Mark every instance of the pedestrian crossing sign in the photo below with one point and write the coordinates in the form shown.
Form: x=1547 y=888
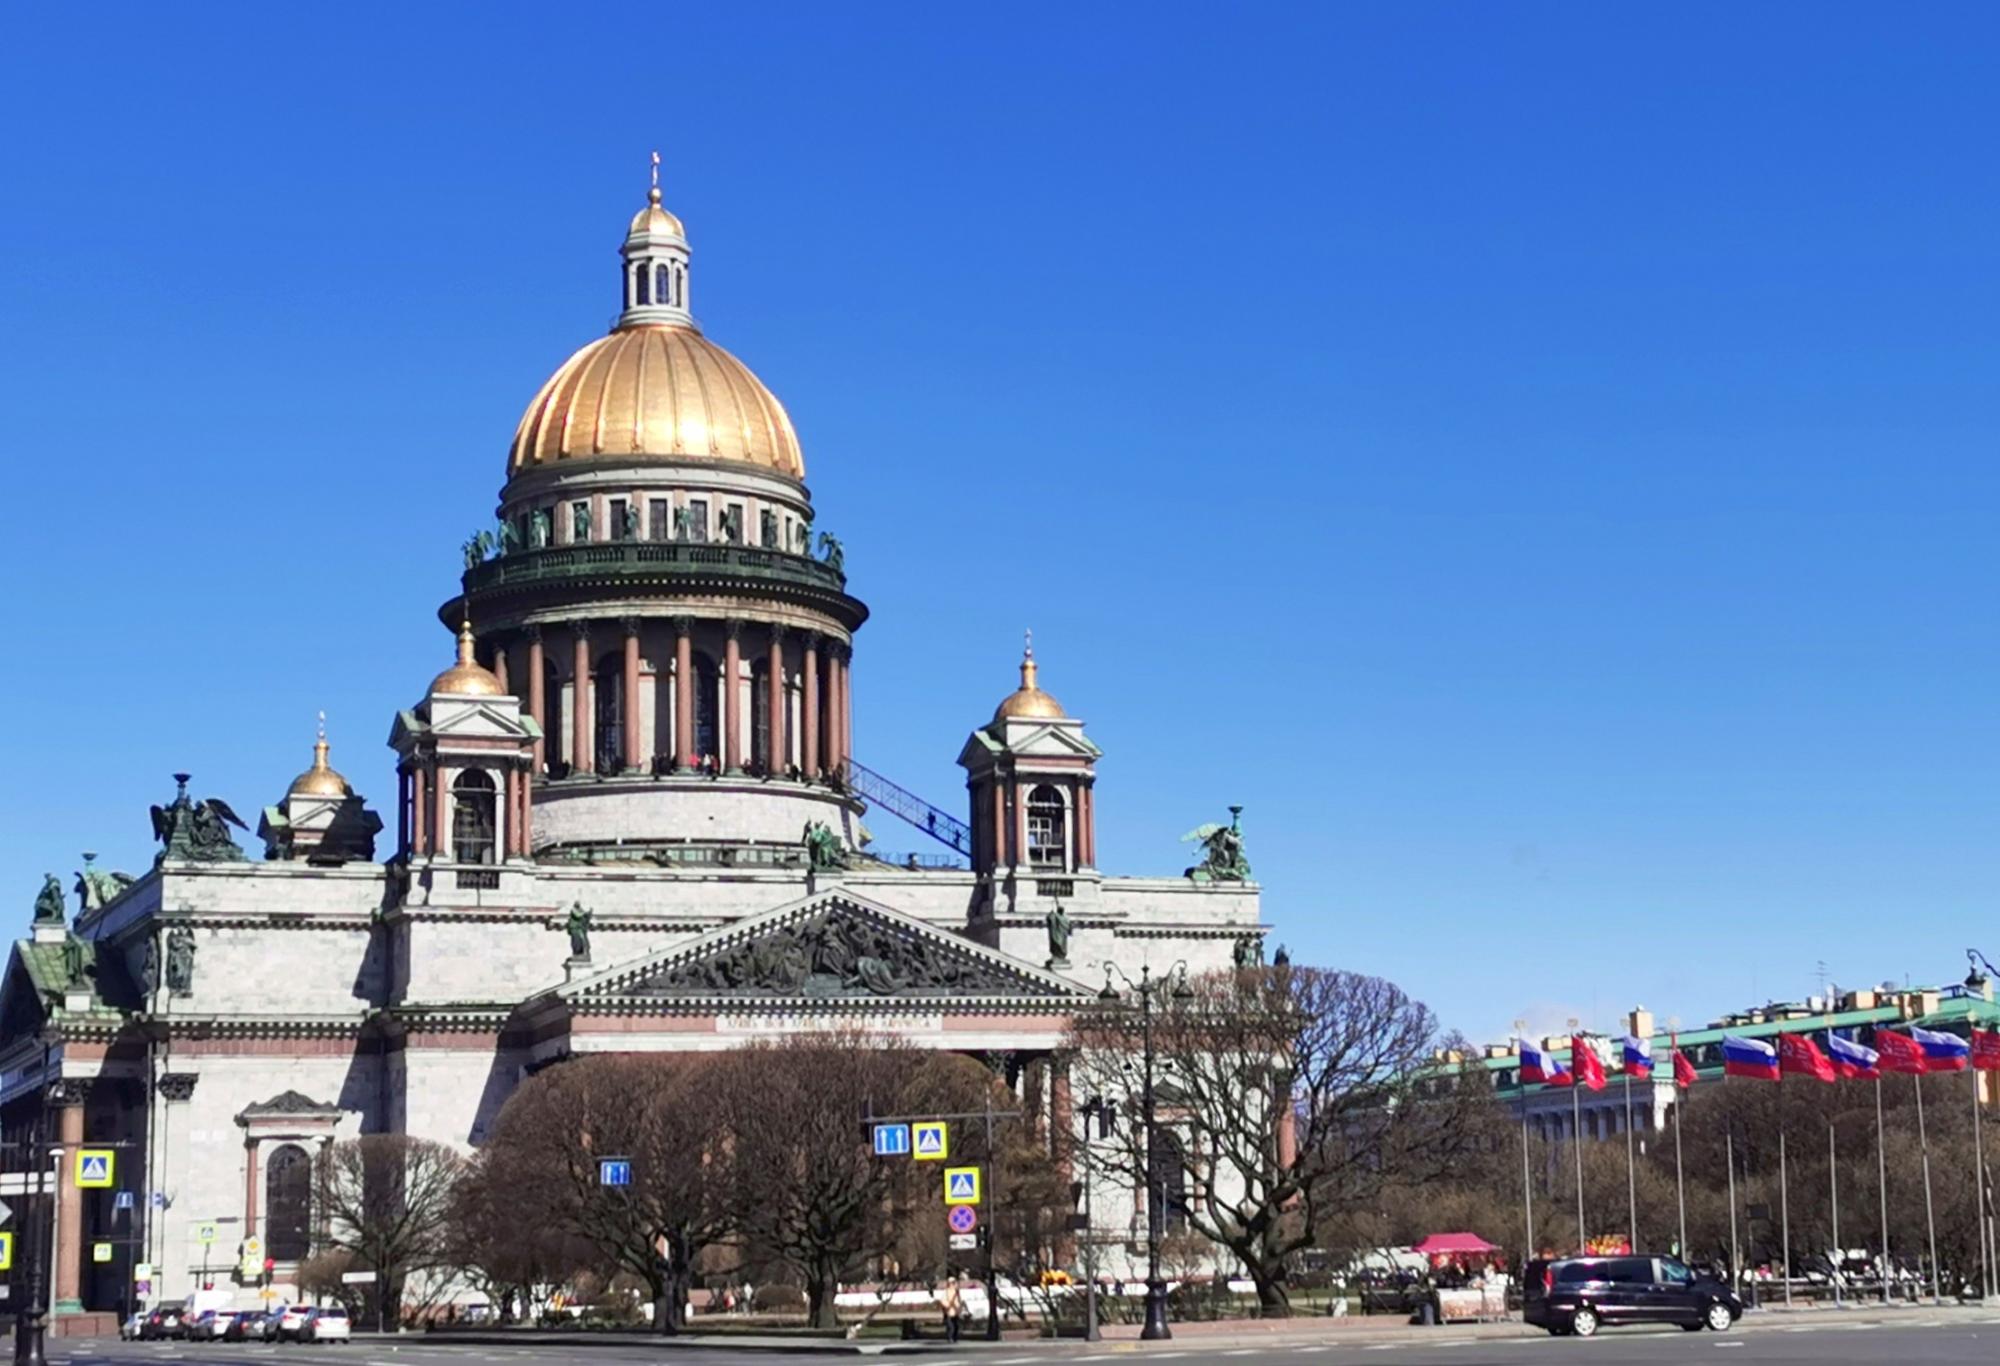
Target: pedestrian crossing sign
x=93 y=1168
x=933 y=1141
x=961 y=1185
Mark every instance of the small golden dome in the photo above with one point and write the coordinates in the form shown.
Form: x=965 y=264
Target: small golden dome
x=655 y=220
x=467 y=678
x=1028 y=702
x=320 y=780
x=656 y=391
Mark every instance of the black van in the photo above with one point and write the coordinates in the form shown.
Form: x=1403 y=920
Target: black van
x=1581 y=1294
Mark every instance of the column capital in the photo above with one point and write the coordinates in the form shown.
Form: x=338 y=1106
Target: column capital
x=683 y=625
x=580 y=631
x=532 y=633
x=68 y=1091
x=177 y=1085
x=734 y=626
x=631 y=624
x=778 y=632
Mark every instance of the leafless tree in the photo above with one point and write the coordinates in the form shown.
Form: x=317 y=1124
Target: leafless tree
x=663 y=1113
x=385 y=1201
x=1286 y=1092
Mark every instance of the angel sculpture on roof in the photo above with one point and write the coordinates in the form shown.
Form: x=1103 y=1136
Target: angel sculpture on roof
x=1222 y=851
x=196 y=831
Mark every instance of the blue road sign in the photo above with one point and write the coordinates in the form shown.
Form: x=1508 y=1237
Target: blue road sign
x=933 y=1141
x=614 y=1171
x=892 y=1140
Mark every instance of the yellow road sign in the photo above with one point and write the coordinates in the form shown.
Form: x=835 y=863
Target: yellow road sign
x=961 y=1185
x=6 y=1252
x=204 y=1233
x=100 y=1252
x=94 y=1167
x=930 y=1141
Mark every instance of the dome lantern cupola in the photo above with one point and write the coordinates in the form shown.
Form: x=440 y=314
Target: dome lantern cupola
x=656 y=264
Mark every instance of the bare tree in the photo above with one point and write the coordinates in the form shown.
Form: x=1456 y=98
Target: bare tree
x=664 y=1114
x=1283 y=1092
x=808 y=1192
x=385 y=1201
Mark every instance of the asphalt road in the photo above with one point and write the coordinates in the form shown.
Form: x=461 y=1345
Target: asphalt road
x=1820 y=1344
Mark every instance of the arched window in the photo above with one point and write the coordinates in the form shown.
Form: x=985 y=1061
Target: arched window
x=288 y=1204
x=760 y=715
x=552 y=723
x=472 y=817
x=1166 y=1194
x=611 y=713
x=1047 y=847
x=707 y=704
x=643 y=279
x=662 y=285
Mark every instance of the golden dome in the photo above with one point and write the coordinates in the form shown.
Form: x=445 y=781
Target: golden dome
x=319 y=780
x=661 y=391
x=467 y=678
x=1028 y=702
x=654 y=219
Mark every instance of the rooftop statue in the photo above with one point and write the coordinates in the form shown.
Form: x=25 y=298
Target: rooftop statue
x=1059 y=927
x=49 y=907
x=577 y=924
x=539 y=530
x=477 y=548
x=197 y=832
x=823 y=846
x=831 y=553
x=683 y=523
x=95 y=887
x=506 y=540
x=579 y=523
x=802 y=538
x=732 y=525
x=72 y=957
x=1222 y=857
x=1248 y=952
x=632 y=519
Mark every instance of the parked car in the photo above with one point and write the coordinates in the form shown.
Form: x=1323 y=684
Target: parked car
x=210 y=1325
x=327 y=1325
x=1579 y=1295
x=246 y=1326
x=129 y=1327
x=290 y=1323
x=167 y=1319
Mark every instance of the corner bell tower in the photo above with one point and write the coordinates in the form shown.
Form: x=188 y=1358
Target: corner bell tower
x=1030 y=773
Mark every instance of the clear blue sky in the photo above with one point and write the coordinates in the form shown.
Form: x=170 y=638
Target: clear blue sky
x=1538 y=459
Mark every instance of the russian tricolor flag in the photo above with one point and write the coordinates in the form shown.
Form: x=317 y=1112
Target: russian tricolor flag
x=1639 y=1057
x=1750 y=1058
x=1540 y=1066
x=1942 y=1052
x=1852 y=1061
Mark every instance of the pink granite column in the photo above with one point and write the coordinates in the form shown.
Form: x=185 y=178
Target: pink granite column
x=440 y=811
x=774 y=702
x=69 y=1207
x=684 y=692
x=631 y=708
x=809 y=708
x=732 y=699
x=579 y=703
x=537 y=702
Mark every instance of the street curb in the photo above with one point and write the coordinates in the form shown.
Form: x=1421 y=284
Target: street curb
x=708 y=1342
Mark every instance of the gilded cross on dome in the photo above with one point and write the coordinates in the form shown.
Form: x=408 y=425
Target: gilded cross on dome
x=656 y=172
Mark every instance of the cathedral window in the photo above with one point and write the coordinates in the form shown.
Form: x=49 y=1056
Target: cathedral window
x=472 y=817
x=768 y=529
x=553 y=723
x=707 y=707
x=1167 y=1196
x=660 y=520
x=1046 y=845
x=617 y=519
x=288 y=1204
x=642 y=283
x=697 y=519
x=662 y=287
x=610 y=713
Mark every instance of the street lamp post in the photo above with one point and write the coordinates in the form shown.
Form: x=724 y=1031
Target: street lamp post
x=31 y=1321
x=1146 y=988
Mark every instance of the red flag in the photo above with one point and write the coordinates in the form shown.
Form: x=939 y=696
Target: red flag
x=1684 y=1073
x=1584 y=1062
x=1986 y=1050
x=1799 y=1054
x=1900 y=1052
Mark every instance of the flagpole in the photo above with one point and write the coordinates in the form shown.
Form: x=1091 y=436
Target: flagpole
x=1930 y=1218
x=1979 y=1192
x=1527 y=1170
x=1833 y=1186
x=1576 y=1143
x=1784 y=1203
x=1680 y=1099
x=1729 y=1162
x=1882 y=1184
x=1631 y=1173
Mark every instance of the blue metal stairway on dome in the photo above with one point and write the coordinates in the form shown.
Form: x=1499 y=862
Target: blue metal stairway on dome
x=899 y=801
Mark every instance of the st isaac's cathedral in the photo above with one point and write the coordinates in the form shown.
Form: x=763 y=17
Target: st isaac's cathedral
x=628 y=817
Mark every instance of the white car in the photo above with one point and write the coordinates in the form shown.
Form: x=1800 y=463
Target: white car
x=327 y=1325
x=290 y=1323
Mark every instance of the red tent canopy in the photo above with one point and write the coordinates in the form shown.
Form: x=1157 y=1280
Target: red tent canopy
x=1446 y=1243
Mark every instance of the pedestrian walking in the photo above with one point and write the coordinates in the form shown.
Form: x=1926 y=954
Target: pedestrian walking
x=954 y=1307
